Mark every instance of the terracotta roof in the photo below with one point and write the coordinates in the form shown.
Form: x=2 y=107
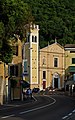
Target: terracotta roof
x=69 y=46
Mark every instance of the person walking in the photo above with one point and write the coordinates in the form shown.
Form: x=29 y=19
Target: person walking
x=29 y=93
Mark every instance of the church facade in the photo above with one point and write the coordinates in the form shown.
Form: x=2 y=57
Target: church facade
x=52 y=69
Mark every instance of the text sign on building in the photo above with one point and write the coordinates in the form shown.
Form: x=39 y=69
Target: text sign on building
x=25 y=67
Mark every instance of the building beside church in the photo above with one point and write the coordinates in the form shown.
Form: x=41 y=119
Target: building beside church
x=15 y=70
x=2 y=82
x=70 y=67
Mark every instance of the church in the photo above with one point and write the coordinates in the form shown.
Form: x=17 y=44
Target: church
x=45 y=67
x=52 y=69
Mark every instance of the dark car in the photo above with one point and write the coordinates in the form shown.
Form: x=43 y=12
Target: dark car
x=35 y=90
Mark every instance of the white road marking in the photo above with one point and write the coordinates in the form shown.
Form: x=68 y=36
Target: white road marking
x=64 y=117
x=34 y=98
x=31 y=110
x=38 y=108
x=73 y=111
x=69 y=114
x=8 y=116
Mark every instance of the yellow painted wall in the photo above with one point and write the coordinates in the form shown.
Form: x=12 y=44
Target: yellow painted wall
x=2 y=70
x=68 y=59
x=49 y=52
x=34 y=63
x=17 y=60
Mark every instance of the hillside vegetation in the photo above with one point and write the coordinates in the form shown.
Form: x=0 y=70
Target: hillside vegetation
x=56 y=19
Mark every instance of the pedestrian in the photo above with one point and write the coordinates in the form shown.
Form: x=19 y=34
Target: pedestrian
x=30 y=93
x=27 y=93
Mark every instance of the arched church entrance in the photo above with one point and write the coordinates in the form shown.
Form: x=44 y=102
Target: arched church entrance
x=56 y=80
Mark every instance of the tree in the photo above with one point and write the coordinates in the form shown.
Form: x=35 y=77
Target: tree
x=14 y=14
x=56 y=18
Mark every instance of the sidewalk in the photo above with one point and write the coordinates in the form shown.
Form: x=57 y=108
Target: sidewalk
x=16 y=103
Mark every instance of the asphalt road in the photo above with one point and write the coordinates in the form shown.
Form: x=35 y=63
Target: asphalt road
x=54 y=107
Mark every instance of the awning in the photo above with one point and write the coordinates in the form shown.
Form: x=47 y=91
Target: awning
x=71 y=69
x=70 y=82
x=25 y=84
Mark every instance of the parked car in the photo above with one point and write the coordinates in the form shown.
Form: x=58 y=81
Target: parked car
x=35 y=90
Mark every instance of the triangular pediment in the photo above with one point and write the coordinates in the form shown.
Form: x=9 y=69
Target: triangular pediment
x=56 y=47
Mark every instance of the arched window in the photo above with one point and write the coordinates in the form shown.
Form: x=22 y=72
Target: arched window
x=32 y=38
x=35 y=38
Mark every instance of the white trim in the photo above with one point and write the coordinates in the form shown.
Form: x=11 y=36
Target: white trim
x=37 y=56
x=34 y=43
x=63 y=71
x=26 y=43
x=30 y=59
x=69 y=48
x=44 y=79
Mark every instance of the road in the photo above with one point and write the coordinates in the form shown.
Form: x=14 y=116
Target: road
x=50 y=107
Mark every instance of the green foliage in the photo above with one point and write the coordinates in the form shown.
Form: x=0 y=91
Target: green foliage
x=14 y=14
x=56 y=19
x=2 y=32
x=6 y=52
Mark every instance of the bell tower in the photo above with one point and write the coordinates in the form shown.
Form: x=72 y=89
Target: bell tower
x=31 y=55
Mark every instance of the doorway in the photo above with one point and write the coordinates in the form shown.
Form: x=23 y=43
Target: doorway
x=44 y=84
x=55 y=82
